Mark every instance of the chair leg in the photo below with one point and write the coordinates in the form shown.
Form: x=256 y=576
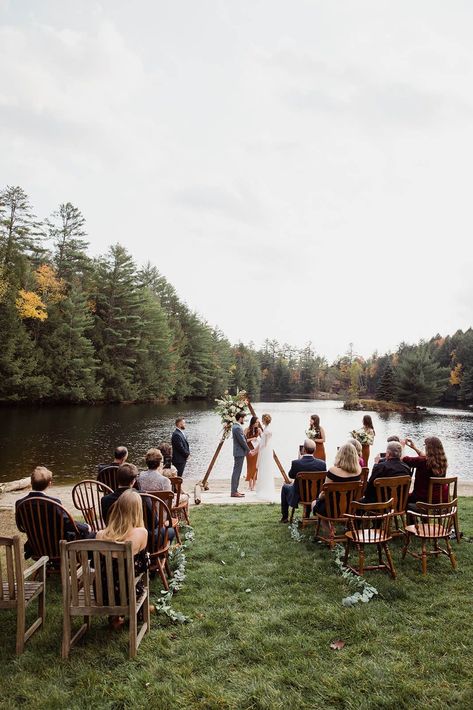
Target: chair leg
x=380 y=554
x=391 y=567
x=186 y=516
x=66 y=636
x=424 y=557
x=331 y=536
x=163 y=576
x=406 y=545
x=456 y=527
x=347 y=551
x=361 y=560
x=178 y=535
x=451 y=555
x=20 y=627
x=167 y=567
x=133 y=632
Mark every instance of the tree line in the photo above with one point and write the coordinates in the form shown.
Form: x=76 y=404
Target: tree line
x=77 y=328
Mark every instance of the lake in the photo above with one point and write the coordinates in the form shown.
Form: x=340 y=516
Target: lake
x=71 y=441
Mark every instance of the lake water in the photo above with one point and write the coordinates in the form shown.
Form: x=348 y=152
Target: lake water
x=71 y=441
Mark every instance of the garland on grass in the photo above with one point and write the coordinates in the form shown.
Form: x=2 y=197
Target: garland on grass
x=363 y=591
x=178 y=562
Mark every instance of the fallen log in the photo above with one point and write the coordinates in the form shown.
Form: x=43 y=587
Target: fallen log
x=15 y=485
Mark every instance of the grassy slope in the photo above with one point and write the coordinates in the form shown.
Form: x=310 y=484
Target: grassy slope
x=268 y=648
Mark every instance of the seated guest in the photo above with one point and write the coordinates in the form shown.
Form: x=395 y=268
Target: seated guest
x=359 y=450
x=385 y=468
x=125 y=524
x=168 y=469
x=152 y=479
x=120 y=456
x=382 y=456
x=127 y=476
x=290 y=491
x=428 y=464
x=346 y=469
x=41 y=480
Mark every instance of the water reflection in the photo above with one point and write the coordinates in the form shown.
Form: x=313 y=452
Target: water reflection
x=72 y=440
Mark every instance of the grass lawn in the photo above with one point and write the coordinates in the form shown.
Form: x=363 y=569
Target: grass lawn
x=410 y=647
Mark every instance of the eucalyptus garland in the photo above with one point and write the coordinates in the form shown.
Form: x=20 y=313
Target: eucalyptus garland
x=177 y=562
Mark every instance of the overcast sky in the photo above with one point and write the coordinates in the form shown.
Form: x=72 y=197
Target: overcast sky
x=299 y=170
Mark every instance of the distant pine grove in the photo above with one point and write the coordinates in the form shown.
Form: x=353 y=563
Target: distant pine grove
x=81 y=329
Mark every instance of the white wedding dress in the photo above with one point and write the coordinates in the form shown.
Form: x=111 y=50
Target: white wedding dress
x=265 y=488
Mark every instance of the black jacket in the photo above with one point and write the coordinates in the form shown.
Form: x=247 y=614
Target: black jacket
x=180 y=447
x=384 y=469
x=305 y=463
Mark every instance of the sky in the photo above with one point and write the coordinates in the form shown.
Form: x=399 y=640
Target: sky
x=297 y=170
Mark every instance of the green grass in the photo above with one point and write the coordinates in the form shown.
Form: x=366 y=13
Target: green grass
x=269 y=647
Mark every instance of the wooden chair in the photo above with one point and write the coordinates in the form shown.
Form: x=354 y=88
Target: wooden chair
x=108 y=476
x=98 y=579
x=168 y=498
x=44 y=522
x=433 y=522
x=370 y=524
x=180 y=507
x=86 y=497
x=17 y=591
x=435 y=495
x=397 y=489
x=310 y=484
x=365 y=472
x=155 y=519
x=338 y=498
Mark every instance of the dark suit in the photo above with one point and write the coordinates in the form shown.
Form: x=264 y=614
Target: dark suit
x=84 y=531
x=180 y=450
x=290 y=491
x=384 y=469
x=108 y=500
x=240 y=449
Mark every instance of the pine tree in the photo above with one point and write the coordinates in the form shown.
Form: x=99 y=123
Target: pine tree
x=420 y=380
x=246 y=370
x=66 y=229
x=118 y=324
x=20 y=231
x=387 y=385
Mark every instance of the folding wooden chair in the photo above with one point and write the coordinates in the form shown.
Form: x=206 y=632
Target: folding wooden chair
x=338 y=498
x=86 y=497
x=370 y=524
x=433 y=522
x=397 y=489
x=309 y=484
x=98 y=579
x=17 y=590
x=158 y=519
x=436 y=494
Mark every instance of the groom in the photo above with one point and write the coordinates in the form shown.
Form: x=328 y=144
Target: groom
x=240 y=449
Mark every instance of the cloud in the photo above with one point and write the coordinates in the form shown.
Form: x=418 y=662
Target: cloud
x=238 y=203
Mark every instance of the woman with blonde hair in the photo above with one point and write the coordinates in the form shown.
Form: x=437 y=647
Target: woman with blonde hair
x=346 y=469
x=265 y=488
x=126 y=524
x=359 y=450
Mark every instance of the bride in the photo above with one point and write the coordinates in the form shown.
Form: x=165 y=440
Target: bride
x=265 y=488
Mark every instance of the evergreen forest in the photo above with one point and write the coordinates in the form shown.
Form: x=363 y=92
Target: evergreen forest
x=77 y=328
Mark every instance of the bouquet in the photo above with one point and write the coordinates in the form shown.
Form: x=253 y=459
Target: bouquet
x=312 y=434
x=363 y=437
x=228 y=407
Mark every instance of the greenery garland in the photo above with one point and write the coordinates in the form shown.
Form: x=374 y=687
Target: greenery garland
x=178 y=562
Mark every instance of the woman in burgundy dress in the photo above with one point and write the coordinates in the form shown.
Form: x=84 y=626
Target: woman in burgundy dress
x=428 y=463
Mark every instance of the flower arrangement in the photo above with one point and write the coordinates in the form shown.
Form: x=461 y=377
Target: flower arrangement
x=312 y=434
x=228 y=407
x=363 y=436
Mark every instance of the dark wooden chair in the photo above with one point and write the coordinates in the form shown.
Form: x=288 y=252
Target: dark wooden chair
x=435 y=494
x=338 y=498
x=433 y=522
x=86 y=497
x=108 y=476
x=397 y=489
x=168 y=498
x=310 y=484
x=158 y=518
x=370 y=524
x=98 y=579
x=45 y=523
x=180 y=507
x=17 y=590
x=365 y=472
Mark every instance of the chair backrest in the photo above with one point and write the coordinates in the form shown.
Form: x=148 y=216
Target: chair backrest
x=370 y=522
x=44 y=522
x=98 y=573
x=338 y=497
x=442 y=489
x=310 y=484
x=155 y=517
x=395 y=487
x=176 y=483
x=109 y=476
x=365 y=472
x=11 y=572
x=435 y=520
x=86 y=497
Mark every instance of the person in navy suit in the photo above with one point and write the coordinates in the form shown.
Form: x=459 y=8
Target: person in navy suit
x=180 y=446
x=290 y=491
x=240 y=449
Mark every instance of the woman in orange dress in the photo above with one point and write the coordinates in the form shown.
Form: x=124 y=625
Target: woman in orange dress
x=317 y=434
x=365 y=436
x=252 y=433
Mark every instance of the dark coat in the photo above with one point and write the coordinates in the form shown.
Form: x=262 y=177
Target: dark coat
x=305 y=463
x=108 y=500
x=384 y=469
x=180 y=447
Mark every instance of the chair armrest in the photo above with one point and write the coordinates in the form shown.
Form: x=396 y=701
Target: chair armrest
x=37 y=565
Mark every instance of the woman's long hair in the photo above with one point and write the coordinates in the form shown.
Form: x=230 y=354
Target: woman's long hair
x=435 y=455
x=251 y=426
x=126 y=513
x=166 y=450
x=347 y=459
x=316 y=422
x=368 y=422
